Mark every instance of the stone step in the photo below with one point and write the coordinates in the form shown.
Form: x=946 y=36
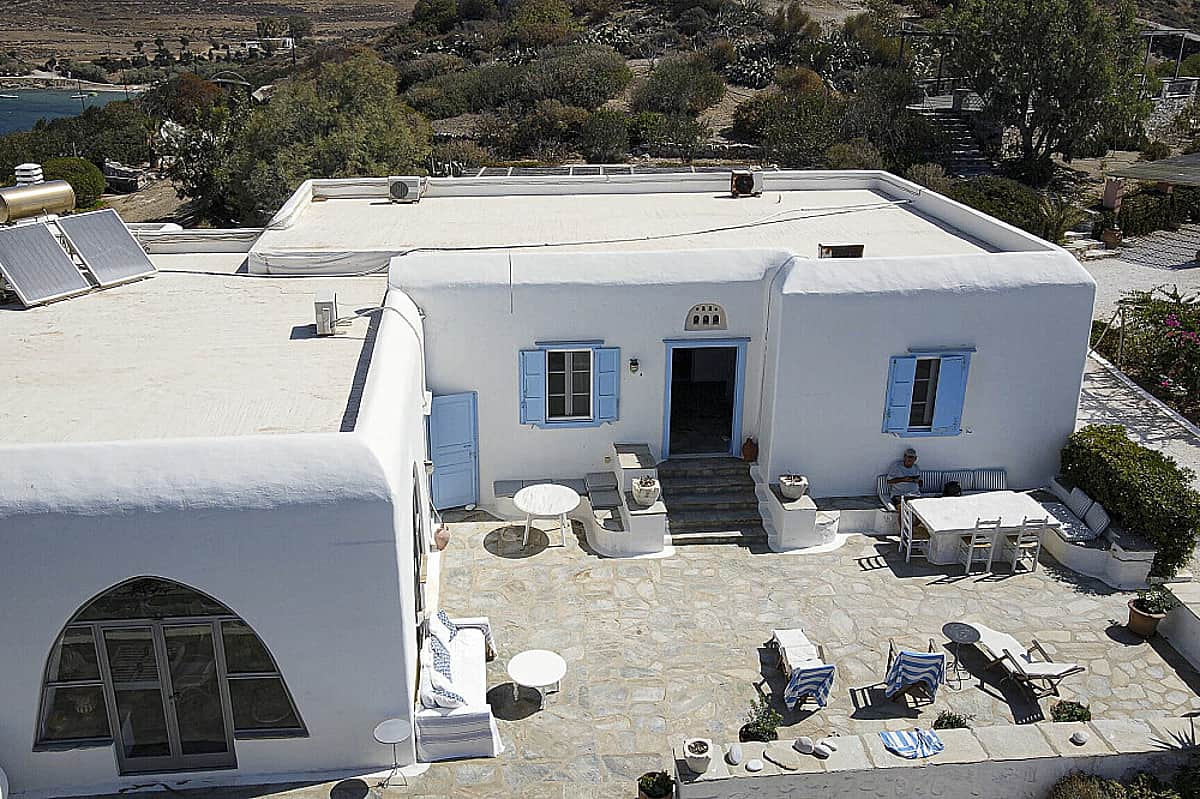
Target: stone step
x=1098 y=254
x=680 y=502
x=747 y=536
x=702 y=467
x=709 y=520
x=714 y=484
x=1076 y=235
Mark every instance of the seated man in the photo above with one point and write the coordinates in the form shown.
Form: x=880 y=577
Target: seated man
x=904 y=478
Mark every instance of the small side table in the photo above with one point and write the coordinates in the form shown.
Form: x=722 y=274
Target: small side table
x=959 y=633
x=392 y=732
x=537 y=669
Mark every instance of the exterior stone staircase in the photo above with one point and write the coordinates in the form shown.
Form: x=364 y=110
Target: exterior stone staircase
x=1085 y=248
x=963 y=158
x=711 y=501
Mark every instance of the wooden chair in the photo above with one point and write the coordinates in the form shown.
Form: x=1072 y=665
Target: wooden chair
x=1024 y=543
x=979 y=545
x=913 y=535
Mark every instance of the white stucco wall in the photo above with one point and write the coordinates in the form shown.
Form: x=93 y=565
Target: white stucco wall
x=306 y=537
x=475 y=325
x=1027 y=315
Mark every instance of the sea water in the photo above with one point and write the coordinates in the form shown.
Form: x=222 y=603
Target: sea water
x=31 y=105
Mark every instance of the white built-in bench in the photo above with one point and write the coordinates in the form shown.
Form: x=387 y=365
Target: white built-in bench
x=1087 y=542
x=620 y=527
x=971 y=481
x=1182 y=625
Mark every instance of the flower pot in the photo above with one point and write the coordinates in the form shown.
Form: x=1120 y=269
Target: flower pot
x=793 y=486
x=441 y=538
x=750 y=732
x=698 y=754
x=667 y=786
x=646 y=495
x=750 y=450
x=1143 y=623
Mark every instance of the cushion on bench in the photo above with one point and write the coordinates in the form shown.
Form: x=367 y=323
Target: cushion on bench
x=1071 y=527
x=1096 y=518
x=1079 y=502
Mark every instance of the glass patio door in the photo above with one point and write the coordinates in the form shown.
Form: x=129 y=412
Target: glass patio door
x=168 y=711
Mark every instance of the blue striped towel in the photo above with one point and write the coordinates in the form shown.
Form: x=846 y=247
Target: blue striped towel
x=910 y=668
x=814 y=681
x=911 y=744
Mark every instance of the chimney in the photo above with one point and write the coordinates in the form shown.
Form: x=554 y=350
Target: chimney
x=28 y=174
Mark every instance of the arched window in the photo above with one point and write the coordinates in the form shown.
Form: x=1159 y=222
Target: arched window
x=169 y=675
x=705 y=316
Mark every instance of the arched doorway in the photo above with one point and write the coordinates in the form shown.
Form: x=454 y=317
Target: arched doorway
x=168 y=675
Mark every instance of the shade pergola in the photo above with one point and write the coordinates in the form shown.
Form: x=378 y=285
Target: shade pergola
x=1182 y=170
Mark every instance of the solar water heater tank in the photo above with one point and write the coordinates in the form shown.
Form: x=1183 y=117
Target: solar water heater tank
x=20 y=202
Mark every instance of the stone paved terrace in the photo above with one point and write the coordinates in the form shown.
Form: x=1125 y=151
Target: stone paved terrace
x=660 y=649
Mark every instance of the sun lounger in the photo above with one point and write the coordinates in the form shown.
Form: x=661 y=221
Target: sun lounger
x=809 y=676
x=1041 y=677
x=909 y=672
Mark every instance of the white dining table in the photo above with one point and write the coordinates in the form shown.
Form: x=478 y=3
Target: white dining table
x=948 y=519
x=546 y=500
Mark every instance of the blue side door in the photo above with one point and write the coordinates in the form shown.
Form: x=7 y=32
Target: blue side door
x=454 y=449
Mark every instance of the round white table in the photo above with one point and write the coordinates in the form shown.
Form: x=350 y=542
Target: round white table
x=537 y=669
x=546 y=500
x=393 y=731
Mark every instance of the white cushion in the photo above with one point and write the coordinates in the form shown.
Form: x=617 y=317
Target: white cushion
x=994 y=643
x=1079 y=502
x=439 y=630
x=1096 y=518
x=1070 y=528
x=470 y=666
x=1041 y=669
x=443 y=692
x=1059 y=490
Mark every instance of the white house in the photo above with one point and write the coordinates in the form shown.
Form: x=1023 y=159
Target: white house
x=188 y=470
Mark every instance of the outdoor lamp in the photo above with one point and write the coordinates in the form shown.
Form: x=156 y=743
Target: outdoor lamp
x=633 y=366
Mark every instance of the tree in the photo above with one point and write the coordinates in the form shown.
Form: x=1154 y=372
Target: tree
x=299 y=27
x=187 y=99
x=680 y=85
x=84 y=177
x=1053 y=69
x=605 y=137
x=537 y=23
x=184 y=41
x=435 y=16
x=270 y=27
x=347 y=121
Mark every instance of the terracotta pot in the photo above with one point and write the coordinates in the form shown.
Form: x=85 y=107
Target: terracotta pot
x=441 y=537
x=643 y=795
x=750 y=450
x=751 y=733
x=1143 y=623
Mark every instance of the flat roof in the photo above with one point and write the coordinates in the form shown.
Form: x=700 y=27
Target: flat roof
x=568 y=219
x=1181 y=170
x=184 y=354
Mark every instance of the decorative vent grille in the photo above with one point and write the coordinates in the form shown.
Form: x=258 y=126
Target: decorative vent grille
x=705 y=316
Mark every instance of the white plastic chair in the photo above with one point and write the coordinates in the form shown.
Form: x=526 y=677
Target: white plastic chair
x=979 y=545
x=1025 y=542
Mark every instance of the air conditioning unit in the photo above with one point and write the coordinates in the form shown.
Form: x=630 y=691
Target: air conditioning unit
x=745 y=183
x=404 y=190
x=326 y=310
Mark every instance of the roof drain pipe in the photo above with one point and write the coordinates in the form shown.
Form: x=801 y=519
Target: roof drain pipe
x=782 y=269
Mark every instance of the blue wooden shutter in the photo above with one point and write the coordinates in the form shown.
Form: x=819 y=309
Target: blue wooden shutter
x=608 y=383
x=951 y=392
x=533 y=387
x=899 y=393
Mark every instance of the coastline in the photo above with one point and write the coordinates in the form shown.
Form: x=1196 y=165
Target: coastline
x=58 y=82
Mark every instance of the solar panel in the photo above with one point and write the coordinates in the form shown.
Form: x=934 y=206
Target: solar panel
x=108 y=249
x=37 y=267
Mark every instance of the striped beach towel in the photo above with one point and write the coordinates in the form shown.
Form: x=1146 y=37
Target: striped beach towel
x=910 y=668
x=911 y=744
x=814 y=681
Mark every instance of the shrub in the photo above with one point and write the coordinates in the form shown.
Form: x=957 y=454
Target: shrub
x=762 y=721
x=538 y=23
x=854 y=154
x=680 y=85
x=435 y=16
x=583 y=75
x=605 y=137
x=948 y=720
x=1155 y=600
x=931 y=176
x=1146 y=212
x=800 y=80
x=677 y=136
x=656 y=784
x=797 y=131
x=427 y=66
x=1078 y=785
x=1142 y=489
x=1067 y=710
x=1148 y=786
x=477 y=9
x=464 y=153
x=1003 y=198
x=1155 y=150
x=84 y=177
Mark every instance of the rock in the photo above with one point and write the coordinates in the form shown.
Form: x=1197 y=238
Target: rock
x=829 y=743
x=822 y=751
x=734 y=756
x=782 y=755
x=804 y=745
x=1080 y=737
x=754 y=765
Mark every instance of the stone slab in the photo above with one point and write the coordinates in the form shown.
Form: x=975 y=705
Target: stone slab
x=634 y=456
x=657 y=509
x=1127 y=736
x=1059 y=733
x=1173 y=732
x=961 y=747
x=805 y=502
x=1187 y=594
x=1018 y=742
x=605 y=498
x=718 y=769
x=851 y=755
x=597 y=480
x=882 y=758
x=807 y=764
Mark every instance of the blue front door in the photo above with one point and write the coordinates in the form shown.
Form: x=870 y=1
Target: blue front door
x=454 y=449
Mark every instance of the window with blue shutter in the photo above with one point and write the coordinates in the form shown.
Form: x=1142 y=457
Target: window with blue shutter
x=925 y=393
x=566 y=384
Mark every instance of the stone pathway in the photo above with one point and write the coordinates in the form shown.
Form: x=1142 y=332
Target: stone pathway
x=1164 y=249
x=662 y=649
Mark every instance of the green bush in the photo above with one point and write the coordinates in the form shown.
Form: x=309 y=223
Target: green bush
x=1003 y=198
x=538 y=23
x=84 y=177
x=1155 y=151
x=680 y=85
x=583 y=75
x=1145 y=213
x=1142 y=489
x=1066 y=710
x=1078 y=785
x=949 y=720
x=1148 y=786
x=854 y=154
x=931 y=176
x=605 y=137
x=435 y=16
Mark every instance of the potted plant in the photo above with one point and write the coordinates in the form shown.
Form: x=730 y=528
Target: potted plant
x=1066 y=710
x=1148 y=609
x=762 y=723
x=646 y=490
x=655 y=785
x=698 y=754
x=793 y=486
x=949 y=720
